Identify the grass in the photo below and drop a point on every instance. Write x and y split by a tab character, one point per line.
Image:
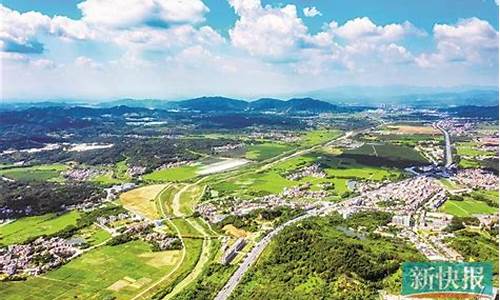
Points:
385	154
265	151
471	149
193	250
172	174
142	200
116	175
36	173
90	276
467	208
94	235
319	136
165	199
189	198
185	228
29	227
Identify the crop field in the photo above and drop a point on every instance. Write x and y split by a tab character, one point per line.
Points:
471	149
339	171
142	200
36	173
172	174
467	208
265	151
413	129
383	154
409	140
93	235
189	198
110	271
193	251
29	227
320	136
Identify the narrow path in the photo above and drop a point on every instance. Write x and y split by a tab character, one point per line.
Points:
179	263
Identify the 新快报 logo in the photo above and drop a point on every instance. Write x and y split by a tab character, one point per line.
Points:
447	279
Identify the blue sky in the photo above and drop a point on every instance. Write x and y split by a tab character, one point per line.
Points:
171	49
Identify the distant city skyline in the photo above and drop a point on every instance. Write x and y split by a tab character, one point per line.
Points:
173	49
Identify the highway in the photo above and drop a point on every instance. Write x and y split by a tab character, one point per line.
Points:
253	255
448	154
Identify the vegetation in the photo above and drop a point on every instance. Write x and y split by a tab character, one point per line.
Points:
28	228
265	151
172	174
314	260
119	271
37	198
35	173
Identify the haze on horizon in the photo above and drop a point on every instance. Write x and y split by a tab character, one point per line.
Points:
246	49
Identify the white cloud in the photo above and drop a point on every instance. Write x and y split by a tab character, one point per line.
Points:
21	32
266	31
311	12
154	13
470	41
364	28
18	32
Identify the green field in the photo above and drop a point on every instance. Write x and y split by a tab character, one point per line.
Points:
90	276
172	174
93	235
185	228
339	171
35	173
29	227
467	208
189	198
115	175
471	149
265	151
320	136
385	154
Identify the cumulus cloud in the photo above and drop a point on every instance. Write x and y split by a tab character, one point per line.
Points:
18	32
472	41
311	12
266	31
154	13
21	32
364	28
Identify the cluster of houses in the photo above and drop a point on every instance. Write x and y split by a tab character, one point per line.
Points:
313	170
173	165
163	241
113	192
136	171
215	212
406	196
302	192
477	178
283	136
36	257
81	174
228	147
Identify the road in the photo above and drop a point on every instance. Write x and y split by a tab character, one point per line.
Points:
251	257
447	142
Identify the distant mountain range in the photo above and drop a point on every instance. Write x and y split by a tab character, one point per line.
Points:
331	100
222	104
408	95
